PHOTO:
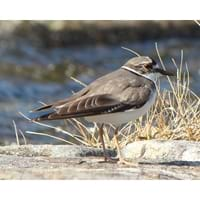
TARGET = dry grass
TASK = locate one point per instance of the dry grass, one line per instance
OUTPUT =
(176, 113)
(175, 116)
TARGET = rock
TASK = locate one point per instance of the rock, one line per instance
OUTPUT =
(160, 161)
(160, 151)
(55, 151)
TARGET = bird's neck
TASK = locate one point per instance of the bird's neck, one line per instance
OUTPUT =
(151, 76)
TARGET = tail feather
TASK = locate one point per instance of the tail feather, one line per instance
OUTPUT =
(40, 115)
(43, 108)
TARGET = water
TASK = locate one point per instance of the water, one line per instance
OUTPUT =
(29, 75)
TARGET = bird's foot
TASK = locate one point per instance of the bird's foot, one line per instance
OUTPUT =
(108, 159)
(128, 163)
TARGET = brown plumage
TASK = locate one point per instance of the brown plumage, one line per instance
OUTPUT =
(104, 95)
(116, 98)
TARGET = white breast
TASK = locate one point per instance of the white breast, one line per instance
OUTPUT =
(124, 117)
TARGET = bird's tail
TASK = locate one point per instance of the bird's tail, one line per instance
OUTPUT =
(40, 115)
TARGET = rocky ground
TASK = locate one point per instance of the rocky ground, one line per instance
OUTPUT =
(157, 160)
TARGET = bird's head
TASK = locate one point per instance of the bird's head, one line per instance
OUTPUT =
(147, 67)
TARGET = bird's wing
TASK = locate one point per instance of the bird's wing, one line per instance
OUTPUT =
(100, 97)
(87, 106)
(77, 95)
(91, 105)
(100, 86)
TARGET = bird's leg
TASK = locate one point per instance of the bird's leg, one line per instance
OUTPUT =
(102, 141)
(106, 157)
(117, 143)
(121, 159)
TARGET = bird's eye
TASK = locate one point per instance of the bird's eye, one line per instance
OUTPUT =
(149, 66)
(144, 69)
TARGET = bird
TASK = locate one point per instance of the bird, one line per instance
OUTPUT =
(116, 98)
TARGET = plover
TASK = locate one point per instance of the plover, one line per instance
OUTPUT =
(116, 98)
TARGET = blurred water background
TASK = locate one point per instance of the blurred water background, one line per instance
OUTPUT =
(37, 59)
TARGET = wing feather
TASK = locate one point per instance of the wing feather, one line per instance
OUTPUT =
(103, 99)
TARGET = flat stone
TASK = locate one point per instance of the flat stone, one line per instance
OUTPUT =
(67, 151)
(79, 162)
(160, 151)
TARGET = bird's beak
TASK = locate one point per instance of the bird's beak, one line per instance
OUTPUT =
(164, 72)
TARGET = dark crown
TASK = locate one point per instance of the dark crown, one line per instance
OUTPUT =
(143, 64)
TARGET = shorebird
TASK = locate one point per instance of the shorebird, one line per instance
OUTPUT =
(116, 98)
